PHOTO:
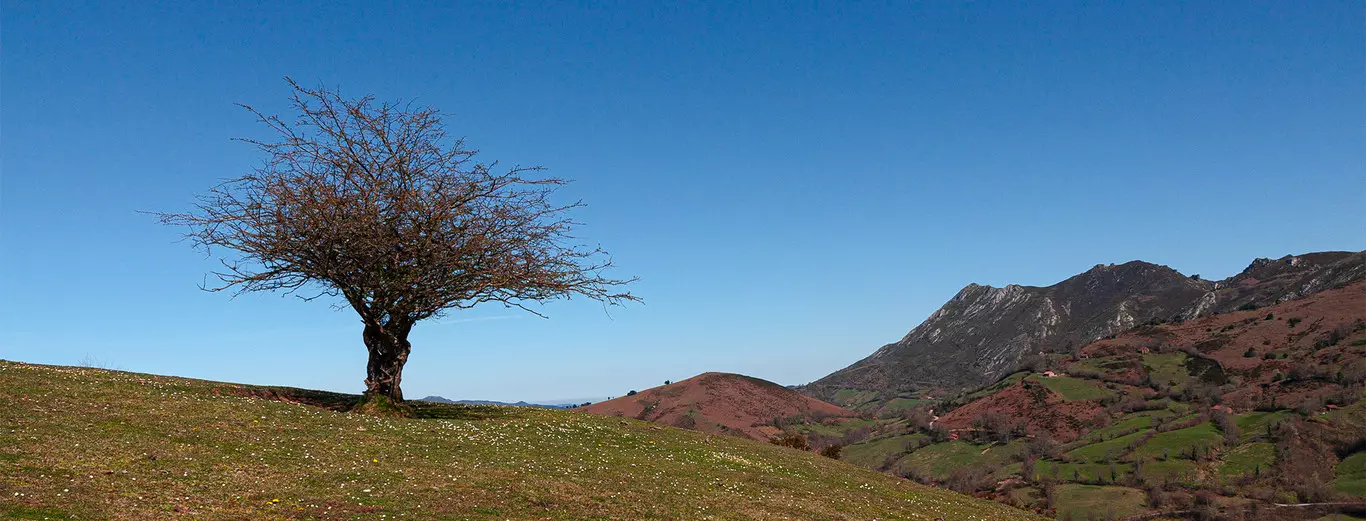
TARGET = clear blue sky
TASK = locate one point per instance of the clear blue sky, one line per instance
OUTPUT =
(795, 186)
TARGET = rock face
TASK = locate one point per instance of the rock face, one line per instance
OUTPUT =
(983, 332)
(1267, 282)
(720, 403)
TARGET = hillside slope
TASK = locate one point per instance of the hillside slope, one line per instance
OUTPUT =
(1250, 407)
(93, 444)
(984, 332)
(720, 403)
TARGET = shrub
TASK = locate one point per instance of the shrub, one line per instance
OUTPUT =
(791, 440)
(1293, 320)
(1250, 353)
(832, 451)
(631, 392)
(1270, 316)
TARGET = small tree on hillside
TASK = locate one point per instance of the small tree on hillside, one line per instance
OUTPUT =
(376, 204)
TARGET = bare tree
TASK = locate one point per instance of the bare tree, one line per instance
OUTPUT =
(375, 203)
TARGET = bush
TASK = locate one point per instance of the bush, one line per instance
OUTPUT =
(1293, 320)
(791, 440)
(1250, 353)
(1270, 316)
(631, 392)
(832, 451)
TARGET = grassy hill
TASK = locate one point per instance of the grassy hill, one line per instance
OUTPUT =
(78, 443)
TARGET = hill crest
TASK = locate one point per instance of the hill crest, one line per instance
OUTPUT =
(721, 403)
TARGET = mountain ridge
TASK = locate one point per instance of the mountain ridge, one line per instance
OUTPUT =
(983, 332)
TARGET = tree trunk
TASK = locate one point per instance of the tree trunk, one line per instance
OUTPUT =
(389, 349)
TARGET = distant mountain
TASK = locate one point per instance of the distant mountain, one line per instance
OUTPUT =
(983, 333)
(721, 403)
(439, 399)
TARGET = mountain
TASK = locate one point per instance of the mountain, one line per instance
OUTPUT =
(1249, 407)
(721, 403)
(983, 333)
(440, 399)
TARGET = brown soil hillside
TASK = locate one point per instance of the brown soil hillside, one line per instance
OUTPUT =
(1278, 356)
(721, 403)
(1031, 405)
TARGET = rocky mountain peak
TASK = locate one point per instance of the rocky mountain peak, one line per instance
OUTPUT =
(982, 332)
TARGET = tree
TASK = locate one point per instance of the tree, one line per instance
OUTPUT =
(377, 205)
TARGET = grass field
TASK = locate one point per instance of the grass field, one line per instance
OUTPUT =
(1139, 420)
(1351, 475)
(896, 405)
(92, 444)
(1253, 425)
(837, 429)
(873, 453)
(1008, 381)
(1075, 388)
(1167, 369)
(1082, 471)
(940, 460)
(853, 398)
(1248, 459)
(1104, 451)
(1097, 502)
(1175, 443)
(1173, 470)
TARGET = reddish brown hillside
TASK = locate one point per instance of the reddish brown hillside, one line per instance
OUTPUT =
(720, 403)
(1275, 356)
(1304, 353)
(1033, 407)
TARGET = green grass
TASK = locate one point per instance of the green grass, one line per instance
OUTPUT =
(940, 460)
(1106, 450)
(1172, 470)
(1082, 471)
(853, 397)
(1178, 442)
(1096, 502)
(901, 404)
(1075, 388)
(873, 453)
(836, 429)
(1139, 420)
(1103, 364)
(1247, 458)
(1351, 475)
(1167, 369)
(96, 444)
(1254, 424)
(1008, 381)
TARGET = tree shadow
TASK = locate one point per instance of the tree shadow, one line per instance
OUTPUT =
(341, 402)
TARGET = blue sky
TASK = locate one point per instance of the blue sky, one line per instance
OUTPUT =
(795, 185)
